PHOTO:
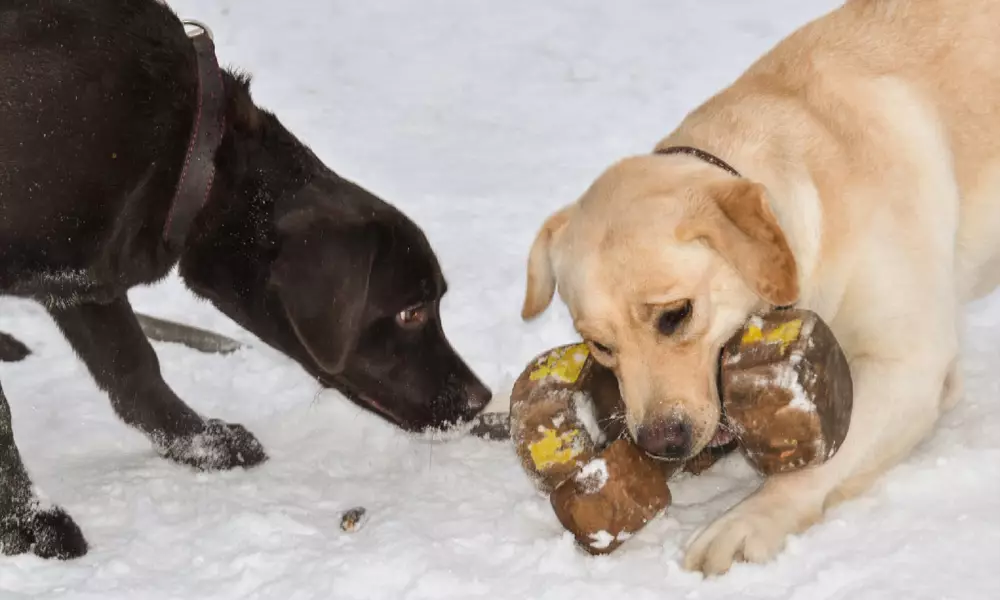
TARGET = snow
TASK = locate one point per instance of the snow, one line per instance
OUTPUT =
(477, 119)
(592, 476)
(602, 539)
(586, 414)
(787, 377)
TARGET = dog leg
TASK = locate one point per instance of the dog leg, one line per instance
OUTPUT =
(123, 363)
(24, 525)
(954, 387)
(896, 404)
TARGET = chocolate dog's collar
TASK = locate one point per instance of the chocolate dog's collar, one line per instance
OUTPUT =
(700, 154)
(196, 178)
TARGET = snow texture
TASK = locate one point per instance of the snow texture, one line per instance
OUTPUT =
(592, 476)
(477, 119)
(586, 414)
(602, 539)
(786, 376)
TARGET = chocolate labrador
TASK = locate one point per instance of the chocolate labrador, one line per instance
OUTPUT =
(126, 151)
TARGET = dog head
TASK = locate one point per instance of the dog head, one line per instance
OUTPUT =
(659, 263)
(361, 289)
(329, 274)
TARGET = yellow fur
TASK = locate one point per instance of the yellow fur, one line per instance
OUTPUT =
(870, 146)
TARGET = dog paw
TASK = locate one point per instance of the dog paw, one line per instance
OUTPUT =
(219, 446)
(11, 349)
(48, 533)
(57, 535)
(753, 531)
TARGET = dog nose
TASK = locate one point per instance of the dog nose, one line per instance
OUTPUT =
(666, 438)
(477, 397)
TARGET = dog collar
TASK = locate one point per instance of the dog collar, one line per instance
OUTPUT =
(196, 178)
(716, 162)
(702, 155)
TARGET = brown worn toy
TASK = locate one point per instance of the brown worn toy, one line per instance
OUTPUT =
(612, 496)
(564, 407)
(787, 391)
(557, 420)
(787, 397)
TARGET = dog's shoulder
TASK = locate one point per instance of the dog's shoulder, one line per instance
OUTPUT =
(98, 104)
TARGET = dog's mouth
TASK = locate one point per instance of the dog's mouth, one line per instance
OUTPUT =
(723, 436)
(358, 397)
(379, 408)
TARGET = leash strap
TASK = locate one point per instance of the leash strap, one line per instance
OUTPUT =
(198, 173)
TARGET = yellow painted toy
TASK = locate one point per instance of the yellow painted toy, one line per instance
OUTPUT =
(564, 363)
(786, 390)
(782, 334)
(551, 439)
(554, 448)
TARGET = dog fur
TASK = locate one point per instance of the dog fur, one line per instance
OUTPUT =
(98, 102)
(869, 146)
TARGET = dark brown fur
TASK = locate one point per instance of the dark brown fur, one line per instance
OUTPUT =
(97, 100)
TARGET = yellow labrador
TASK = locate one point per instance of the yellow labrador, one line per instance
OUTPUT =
(853, 170)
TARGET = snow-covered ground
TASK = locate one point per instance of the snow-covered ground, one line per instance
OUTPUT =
(477, 118)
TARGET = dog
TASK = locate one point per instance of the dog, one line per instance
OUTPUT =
(854, 170)
(110, 177)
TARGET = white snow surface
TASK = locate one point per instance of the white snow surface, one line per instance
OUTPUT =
(602, 539)
(477, 119)
(586, 414)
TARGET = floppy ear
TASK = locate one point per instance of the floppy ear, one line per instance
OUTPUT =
(541, 284)
(738, 223)
(321, 275)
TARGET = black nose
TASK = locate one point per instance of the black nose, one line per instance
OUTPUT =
(477, 397)
(666, 438)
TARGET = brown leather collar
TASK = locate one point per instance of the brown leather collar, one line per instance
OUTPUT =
(701, 154)
(196, 178)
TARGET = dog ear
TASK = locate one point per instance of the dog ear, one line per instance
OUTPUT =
(541, 284)
(738, 223)
(322, 274)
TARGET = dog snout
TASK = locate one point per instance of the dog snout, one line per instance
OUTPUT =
(665, 437)
(477, 397)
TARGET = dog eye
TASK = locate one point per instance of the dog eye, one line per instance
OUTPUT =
(412, 317)
(671, 320)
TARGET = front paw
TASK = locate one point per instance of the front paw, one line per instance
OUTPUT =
(752, 531)
(48, 533)
(219, 446)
